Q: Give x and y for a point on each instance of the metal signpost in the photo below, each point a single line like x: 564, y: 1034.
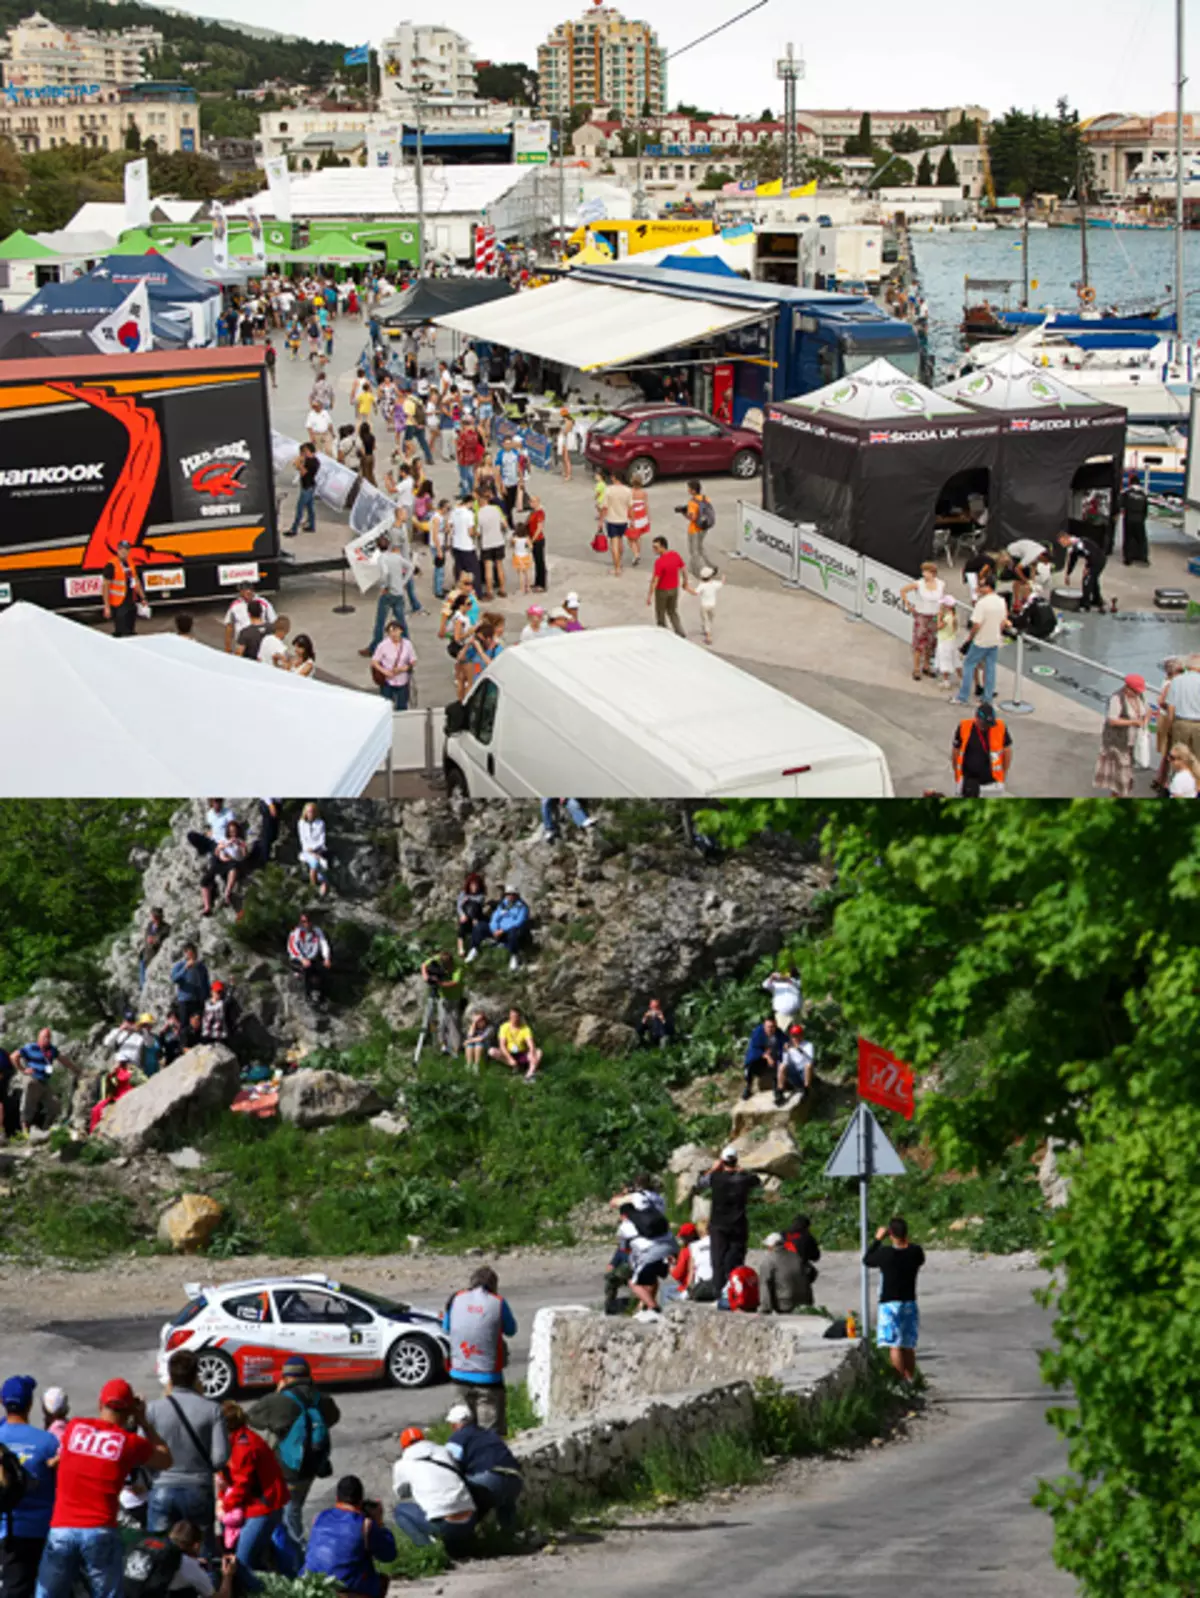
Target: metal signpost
x: 864, y: 1151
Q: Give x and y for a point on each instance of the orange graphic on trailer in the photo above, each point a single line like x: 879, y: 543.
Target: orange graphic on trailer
x: 125, y: 511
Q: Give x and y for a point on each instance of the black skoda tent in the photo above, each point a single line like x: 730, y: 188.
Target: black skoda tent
x: 1059, y: 449
x: 867, y: 460
x: 429, y: 297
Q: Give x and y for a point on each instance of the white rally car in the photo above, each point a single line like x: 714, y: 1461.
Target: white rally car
x: 241, y: 1333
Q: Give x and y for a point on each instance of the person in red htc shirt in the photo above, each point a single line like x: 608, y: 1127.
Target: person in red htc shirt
x: 670, y: 574
x: 96, y: 1457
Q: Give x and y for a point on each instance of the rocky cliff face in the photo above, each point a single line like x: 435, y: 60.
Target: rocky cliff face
x: 622, y: 913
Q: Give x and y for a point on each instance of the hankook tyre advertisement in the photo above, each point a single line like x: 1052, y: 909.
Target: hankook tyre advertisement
x: 171, y: 452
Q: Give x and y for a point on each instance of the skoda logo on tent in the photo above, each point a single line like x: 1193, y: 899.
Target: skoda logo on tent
x: 979, y: 384
x: 1040, y: 389
x: 907, y: 400
x: 872, y: 590
x: 747, y: 531
x: 842, y: 395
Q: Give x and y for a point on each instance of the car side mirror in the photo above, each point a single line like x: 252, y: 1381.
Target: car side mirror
x: 456, y: 718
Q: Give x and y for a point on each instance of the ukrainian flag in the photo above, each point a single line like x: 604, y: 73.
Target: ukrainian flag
x: 358, y: 56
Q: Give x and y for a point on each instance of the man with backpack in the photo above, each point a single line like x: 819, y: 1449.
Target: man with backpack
x: 193, y: 1429
x: 169, y: 1562
x: 347, y: 1540
x: 646, y: 1232
x: 28, y: 1457
x: 477, y: 1321
x: 300, y: 1418
x: 701, y: 519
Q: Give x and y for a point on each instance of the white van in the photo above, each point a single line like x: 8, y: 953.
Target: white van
x: 637, y: 712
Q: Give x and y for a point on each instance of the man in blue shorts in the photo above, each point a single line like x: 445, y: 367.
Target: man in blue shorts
x: 898, y: 1262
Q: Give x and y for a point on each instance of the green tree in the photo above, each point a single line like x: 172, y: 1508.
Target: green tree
x: 716, y: 179
x: 684, y: 109
x: 925, y: 171
x: 1034, y: 154
x: 861, y: 143
x: 905, y: 140
x: 947, y: 172
x: 510, y: 81
x: 964, y: 131
x: 133, y: 138
x: 185, y: 174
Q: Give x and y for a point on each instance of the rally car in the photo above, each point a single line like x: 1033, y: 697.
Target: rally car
x: 241, y: 1333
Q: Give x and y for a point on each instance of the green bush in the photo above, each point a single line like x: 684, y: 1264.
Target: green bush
x: 413, y: 1564
x: 271, y: 906
x: 50, y: 1215
x: 391, y: 958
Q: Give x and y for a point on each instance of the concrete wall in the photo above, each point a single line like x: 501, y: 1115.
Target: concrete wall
x: 611, y: 1389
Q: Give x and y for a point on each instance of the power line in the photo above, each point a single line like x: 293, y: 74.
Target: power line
x: 714, y: 31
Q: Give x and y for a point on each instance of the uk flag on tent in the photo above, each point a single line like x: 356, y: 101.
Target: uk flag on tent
x: 485, y: 250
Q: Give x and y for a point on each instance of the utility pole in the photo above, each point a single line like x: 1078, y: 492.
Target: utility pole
x: 1180, y: 85
x: 419, y: 176
x: 790, y: 69
x: 562, y: 189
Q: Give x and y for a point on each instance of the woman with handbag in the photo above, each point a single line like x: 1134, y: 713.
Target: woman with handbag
x: 392, y: 665
x: 1127, y: 715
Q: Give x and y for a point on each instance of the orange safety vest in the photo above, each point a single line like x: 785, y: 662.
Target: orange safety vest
x: 995, y: 749
x: 119, y: 583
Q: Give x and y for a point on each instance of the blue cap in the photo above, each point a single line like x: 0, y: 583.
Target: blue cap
x: 17, y: 1392
x: 296, y: 1365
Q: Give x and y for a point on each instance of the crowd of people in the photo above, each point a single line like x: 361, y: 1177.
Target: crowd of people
x: 182, y: 1493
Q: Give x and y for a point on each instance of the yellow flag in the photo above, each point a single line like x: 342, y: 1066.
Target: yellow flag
x: 804, y: 192
x: 770, y: 188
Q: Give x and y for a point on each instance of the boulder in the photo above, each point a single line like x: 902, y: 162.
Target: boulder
x: 323, y: 1098
x: 390, y: 1125
x: 610, y: 1037
x: 173, y: 1104
x: 187, y: 1159
x: 774, y: 1154
x: 761, y: 1112
x: 187, y: 1225
x: 688, y: 1162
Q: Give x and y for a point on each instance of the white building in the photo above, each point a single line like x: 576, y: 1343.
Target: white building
x: 833, y: 128
x: 282, y: 132
x: 40, y: 54
x: 99, y: 116
x: 419, y: 55
x: 969, y: 162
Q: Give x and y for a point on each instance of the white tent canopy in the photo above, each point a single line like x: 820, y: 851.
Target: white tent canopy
x: 87, y: 716
x: 1012, y: 383
x: 596, y: 325
x: 880, y: 392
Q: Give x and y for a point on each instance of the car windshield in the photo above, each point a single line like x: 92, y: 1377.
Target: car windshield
x: 383, y: 1306
x: 607, y: 425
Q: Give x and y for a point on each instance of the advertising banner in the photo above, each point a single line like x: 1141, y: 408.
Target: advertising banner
x: 768, y: 541
x: 827, y: 569
x: 280, y: 184
x: 884, y: 1079
x: 137, y: 193
x: 258, y: 245
x: 531, y: 143
x: 881, y: 602
x: 220, y: 237
x: 361, y: 555
x: 175, y: 459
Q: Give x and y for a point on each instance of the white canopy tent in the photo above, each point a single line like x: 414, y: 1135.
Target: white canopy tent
x: 596, y: 325
x: 881, y: 392
x: 87, y: 716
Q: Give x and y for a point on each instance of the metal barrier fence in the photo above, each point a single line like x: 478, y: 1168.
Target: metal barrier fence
x: 869, y: 591
x: 414, y: 744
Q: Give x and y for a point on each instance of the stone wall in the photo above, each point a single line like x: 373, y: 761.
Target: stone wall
x: 611, y: 1389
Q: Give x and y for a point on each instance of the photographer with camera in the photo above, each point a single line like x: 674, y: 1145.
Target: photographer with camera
x: 346, y: 1540
x: 442, y: 977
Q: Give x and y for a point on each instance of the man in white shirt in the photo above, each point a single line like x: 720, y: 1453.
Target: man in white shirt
x: 432, y: 1498
x: 786, y: 997
x: 796, y: 1066
x: 1028, y: 552
x: 237, y: 617
x: 470, y: 363
x: 273, y: 649
x: 1182, y: 703
x: 462, y: 538
x: 320, y: 430
x: 988, y: 620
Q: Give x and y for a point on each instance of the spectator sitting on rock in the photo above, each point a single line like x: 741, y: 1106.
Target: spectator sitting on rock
x: 784, y: 1282
x: 314, y: 850
x: 152, y: 937
x: 309, y: 954
x: 515, y: 1046
x: 796, y: 1066
x: 551, y: 810
x: 470, y: 909
x: 799, y: 1239
x: 219, y: 1021
x: 655, y: 1029
x: 507, y: 925
x: 217, y: 817
x: 114, y: 1085
x: 675, y: 1287
x: 190, y: 976
x: 225, y: 864
x: 127, y: 1041
x: 487, y: 1464
x: 763, y: 1055
x: 478, y: 1039
x: 786, y: 996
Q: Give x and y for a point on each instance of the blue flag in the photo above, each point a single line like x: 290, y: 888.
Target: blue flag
x: 358, y: 56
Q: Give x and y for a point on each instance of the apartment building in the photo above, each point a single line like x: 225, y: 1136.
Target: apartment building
x: 1133, y: 155
x: 833, y: 128
x: 603, y: 58
x: 435, y: 59
x: 100, y: 115
x: 37, y: 54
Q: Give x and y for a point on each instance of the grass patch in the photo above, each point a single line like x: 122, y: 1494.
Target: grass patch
x: 522, y: 1417
x: 412, y: 1563
x: 49, y: 1214
x: 723, y: 1460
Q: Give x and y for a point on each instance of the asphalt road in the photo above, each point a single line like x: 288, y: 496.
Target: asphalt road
x: 945, y: 1512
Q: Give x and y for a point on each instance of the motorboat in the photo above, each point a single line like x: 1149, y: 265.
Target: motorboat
x: 1159, y: 456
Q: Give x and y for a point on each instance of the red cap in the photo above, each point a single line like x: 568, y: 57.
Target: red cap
x: 409, y: 1436
x: 116, y: 1394
x: 688, y: 1231
x: 796, y: 1031
x: 218, y: 987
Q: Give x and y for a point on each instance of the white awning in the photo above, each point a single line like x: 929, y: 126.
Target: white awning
x: 596, y: 325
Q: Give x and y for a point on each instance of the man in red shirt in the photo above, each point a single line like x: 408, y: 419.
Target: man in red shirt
x: 96, y: 1457
x: 669, y: 575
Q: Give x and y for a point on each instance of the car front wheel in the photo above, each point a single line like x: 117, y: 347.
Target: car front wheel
x: 744, y: 464
x: 216, y: 1376
x: 413, y: 1362
x: 642, y: 471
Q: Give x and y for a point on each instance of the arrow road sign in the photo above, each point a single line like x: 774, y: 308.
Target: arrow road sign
x: 864, y: 1150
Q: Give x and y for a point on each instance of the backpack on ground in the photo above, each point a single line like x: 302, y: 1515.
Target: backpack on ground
x: 151, y: 1566
x: 15, y: 1480
x: 305, y: 1450
x: 706, y: 516
x: 742, y: 1290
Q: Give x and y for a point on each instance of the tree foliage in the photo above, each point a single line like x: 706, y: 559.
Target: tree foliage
x: 66, y: 879
x: 1035, y: 154
x: 947, y: 172
x: 905, y: 140
x: 862, y: 142
x: 1040, y: 968
x: 925, y: 171
x: 511, y: 81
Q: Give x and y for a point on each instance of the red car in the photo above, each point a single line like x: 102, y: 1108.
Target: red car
x: 642, y: 442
